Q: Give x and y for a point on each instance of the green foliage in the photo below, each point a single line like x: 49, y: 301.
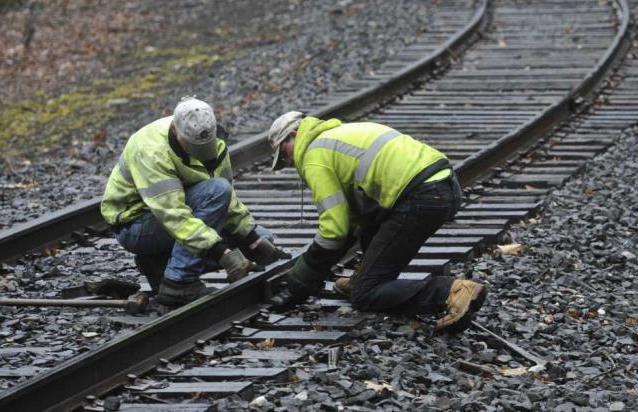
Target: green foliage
x: 50, y: 119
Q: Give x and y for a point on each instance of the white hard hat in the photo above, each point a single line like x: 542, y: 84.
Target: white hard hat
x: 196, y: 128
x: 279, y: 131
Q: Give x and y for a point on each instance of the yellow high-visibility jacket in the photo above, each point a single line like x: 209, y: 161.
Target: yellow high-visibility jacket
x: 151, y: 175
x: 353, y: 168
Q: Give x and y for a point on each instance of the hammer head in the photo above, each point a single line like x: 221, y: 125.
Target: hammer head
x: 137, y: 304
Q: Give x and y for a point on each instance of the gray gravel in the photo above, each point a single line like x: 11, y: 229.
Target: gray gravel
x: 63, y: 332
x: 319, y: 46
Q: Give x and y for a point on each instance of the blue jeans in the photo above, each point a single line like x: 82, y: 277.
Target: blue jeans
x: 209, y: 200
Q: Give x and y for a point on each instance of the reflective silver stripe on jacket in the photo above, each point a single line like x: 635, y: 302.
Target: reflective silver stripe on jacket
x: 158, y: 188
x: 331, y: 244
x: 365, y: 156
x: 197, y: 233
x: 337, y: 146
x: 366, y: 161
x: 126, y: 174
x: 331, y: 201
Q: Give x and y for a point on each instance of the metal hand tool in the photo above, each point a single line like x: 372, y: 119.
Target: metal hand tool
x: 539, y: 363
x: 134, y: 305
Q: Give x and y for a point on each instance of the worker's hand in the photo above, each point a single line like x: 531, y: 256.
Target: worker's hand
x: 237, y: 266
x: 265, y: 253
x: 303, y: 280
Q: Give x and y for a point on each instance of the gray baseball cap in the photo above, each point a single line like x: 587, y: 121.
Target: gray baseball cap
x: 280, y: 129
x: 196, y: 128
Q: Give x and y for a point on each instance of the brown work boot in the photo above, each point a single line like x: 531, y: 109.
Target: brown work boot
x: 343, y: 286
x: 465, y: 298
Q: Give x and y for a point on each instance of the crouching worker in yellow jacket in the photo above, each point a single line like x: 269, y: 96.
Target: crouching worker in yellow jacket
x: 171, y: 202
x: 396, y: 192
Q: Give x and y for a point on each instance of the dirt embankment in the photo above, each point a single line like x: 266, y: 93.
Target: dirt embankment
x: 69, y: 64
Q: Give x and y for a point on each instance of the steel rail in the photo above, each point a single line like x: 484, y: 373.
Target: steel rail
x: 48, y: 228
x: 52, y: 227
x: 499, y: 151
x: 65, y: 386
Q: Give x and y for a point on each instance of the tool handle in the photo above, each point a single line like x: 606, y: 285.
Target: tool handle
x: 64, y: 302
x: 524, y: 353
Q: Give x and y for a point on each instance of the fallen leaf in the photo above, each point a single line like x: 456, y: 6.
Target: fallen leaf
x: 266, y: 344
x: 536, y: 368
x: 501, y: 43
x: 201, y: 395
x: 588, y: 191
x: 513, y: 371
x: 513, y: 249
x: 22, y: 185
x: 573, y: 313
x: 99, y: 138
x: 51, y: 251
x: 379, y: 387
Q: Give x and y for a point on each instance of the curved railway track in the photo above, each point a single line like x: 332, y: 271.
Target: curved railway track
x: 522, y: 96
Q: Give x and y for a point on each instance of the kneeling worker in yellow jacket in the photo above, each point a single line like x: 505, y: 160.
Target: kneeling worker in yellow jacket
x: 391, y: 190
x: 171, y: 201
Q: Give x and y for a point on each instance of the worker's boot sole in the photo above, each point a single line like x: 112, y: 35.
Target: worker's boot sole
x: 478, y: 299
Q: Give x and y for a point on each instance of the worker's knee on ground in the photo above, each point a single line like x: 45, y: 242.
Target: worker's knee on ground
x: 218, y: 189
x: 359, y: 297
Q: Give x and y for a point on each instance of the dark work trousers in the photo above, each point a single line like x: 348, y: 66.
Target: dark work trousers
x: 391, y: 245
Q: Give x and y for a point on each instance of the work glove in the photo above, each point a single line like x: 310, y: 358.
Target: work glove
x: 303, y: 280
x: 265, y: 253
x: 237, y: 266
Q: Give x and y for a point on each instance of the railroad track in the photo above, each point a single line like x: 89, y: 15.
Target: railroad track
x: 482, y: 112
